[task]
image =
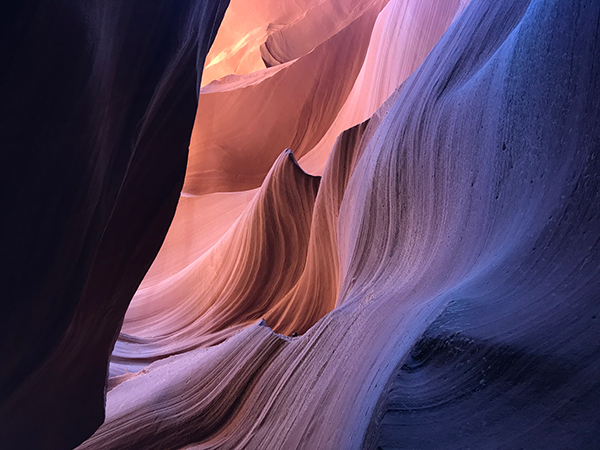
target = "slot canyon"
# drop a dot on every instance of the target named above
(300, 225)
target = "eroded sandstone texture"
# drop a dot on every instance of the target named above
(388, 235)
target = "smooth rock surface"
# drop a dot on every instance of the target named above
(436, 287)
(463, 223)
(97, 103)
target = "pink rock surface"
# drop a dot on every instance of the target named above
(234, 284)
(405, 31)
(454, 240)
(435, 288)
(403, 35)
(290, 105)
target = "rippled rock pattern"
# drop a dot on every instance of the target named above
(388, 235)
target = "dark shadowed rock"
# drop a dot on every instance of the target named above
(97, 102)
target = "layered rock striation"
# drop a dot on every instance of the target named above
(435, 287)
(454, 238)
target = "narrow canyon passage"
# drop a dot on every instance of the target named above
(301, 224)
(277, 259)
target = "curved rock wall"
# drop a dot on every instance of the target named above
(94, 163)
(466, 245)
(435, 288)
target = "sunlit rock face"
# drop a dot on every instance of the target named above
(442, 274)
(388, 235)
(94, 160)
(311, 100)
(291, 104)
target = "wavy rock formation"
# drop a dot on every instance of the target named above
(199, 222)
(94, 163)
(317, 289)
(403, 35)
(464, 226)
(234, 284)
(329, 41)
(263, 33)
(404, 32)
(442, 274)
(310, 90)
